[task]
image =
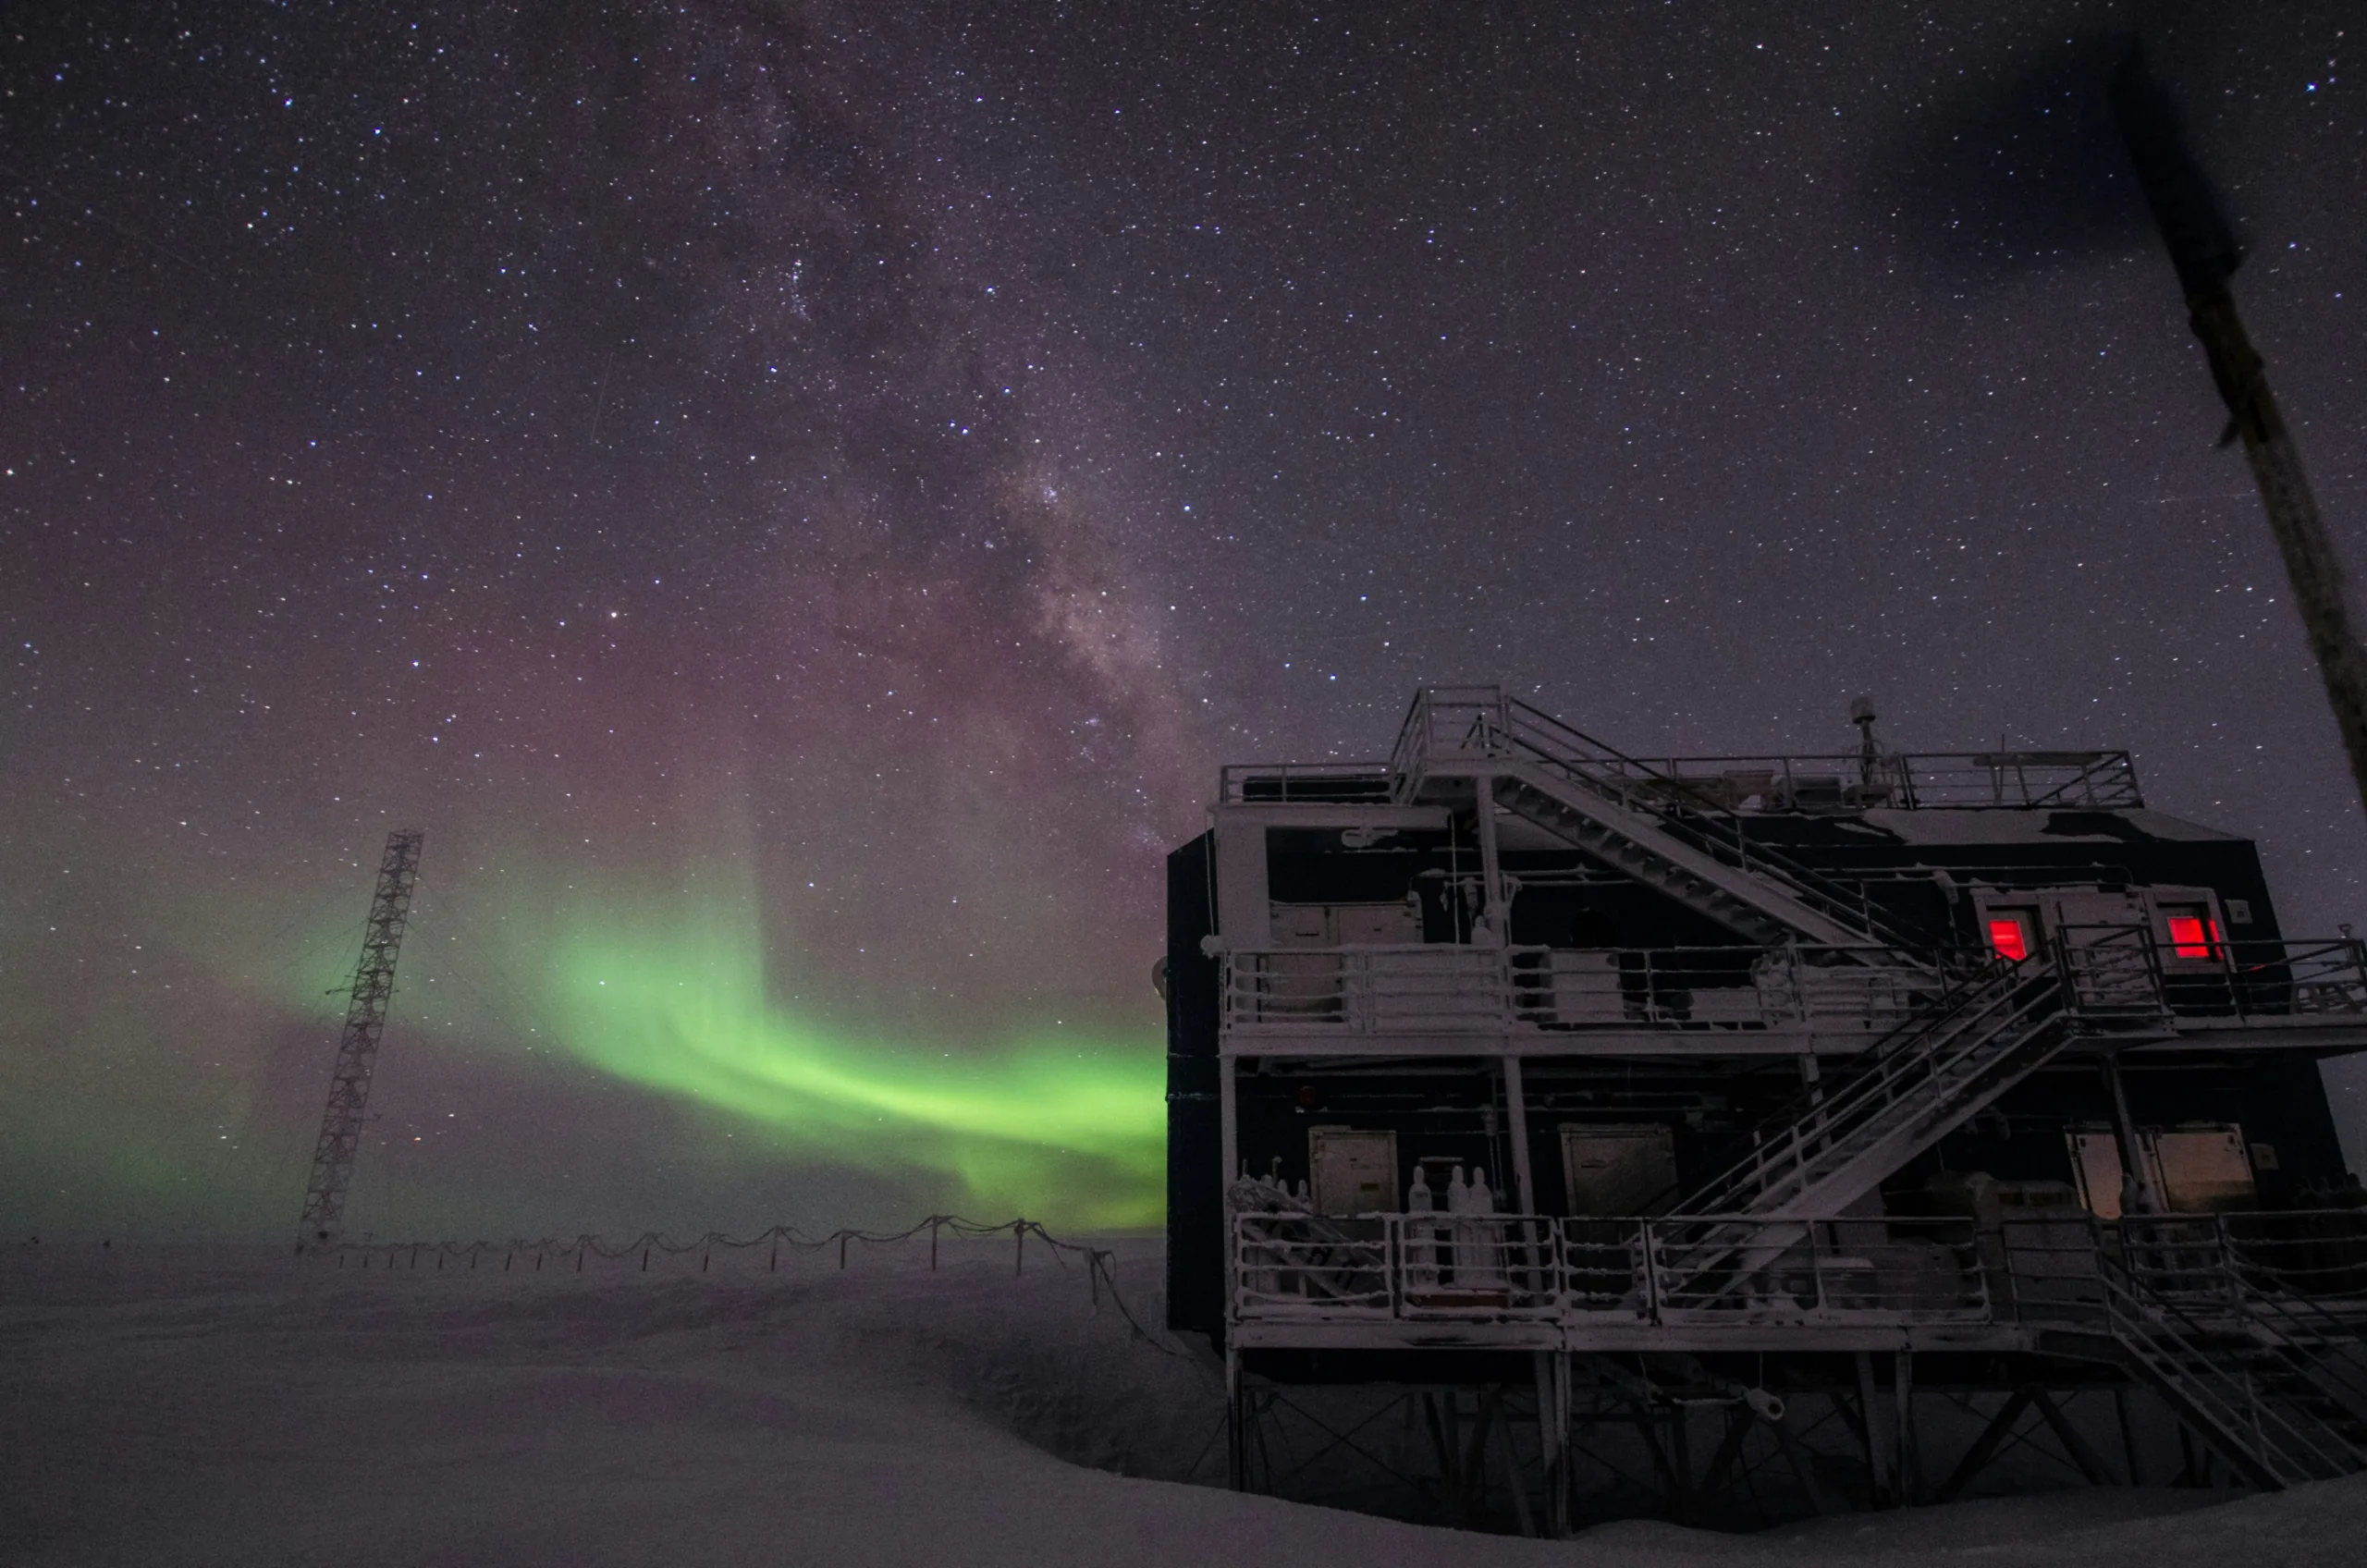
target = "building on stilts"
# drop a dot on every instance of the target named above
(1742, 1137)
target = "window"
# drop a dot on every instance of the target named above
(2193, 934)
(2010, 933)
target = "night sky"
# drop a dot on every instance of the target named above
(797, 501)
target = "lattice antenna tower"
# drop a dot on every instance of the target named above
(357, 1048)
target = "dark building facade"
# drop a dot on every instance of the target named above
(1516, 1062)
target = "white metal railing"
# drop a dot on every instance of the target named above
(1394, 1266)
(1469, 721)
(2121, 973)
(2252, 1320)
(2107, 971)
(1463, 728)
(1450, 988)
(1499, 1268)
(1908, 1075)
(1290, 783)
(2301, 1271)
(2026, 780)
(1898, 1271)
(1438, 988)
(2298, 978)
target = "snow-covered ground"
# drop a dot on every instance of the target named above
(194, 1406)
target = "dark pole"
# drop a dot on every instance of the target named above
(2204, 247)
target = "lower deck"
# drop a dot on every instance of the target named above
(1749, 1285)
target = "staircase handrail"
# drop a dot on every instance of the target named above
(2294, 1319)
(2139, 1317)
(1823, 1116)
(1688, 815)
(1496, 724)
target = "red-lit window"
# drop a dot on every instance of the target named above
(2193, 934)
(2010, 936)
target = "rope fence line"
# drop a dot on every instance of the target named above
(1099, 1263)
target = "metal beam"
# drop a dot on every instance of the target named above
(1491, 868)
(1517, 1113)
(1877, 1449)
(1984, 1447)
(2091, 1464)
(1910, 1456)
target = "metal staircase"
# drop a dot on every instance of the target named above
(1757, 906)
(1835, 1145)
(2271, 1383)
(1919, 1084)
(1990, 1030)
(1658, 829)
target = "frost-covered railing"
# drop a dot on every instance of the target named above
(1394, 1265)
(1302, 783)
(1449, 988)
(2252, 1320)
(1445, 988)
(2310, 1264)
(2132, 969)
(2283, 979)
(1462, 724)
(2026, 780)
(2296, 1275)
(1434, 988)
(1894, 1271)
(1386, 1268)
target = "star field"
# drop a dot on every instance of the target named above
(826, 485)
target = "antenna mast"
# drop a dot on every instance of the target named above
(357, 1049)
(2206, 253)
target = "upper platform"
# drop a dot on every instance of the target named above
(1456, 732)
(1506, 882)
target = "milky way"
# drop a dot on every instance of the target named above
(796, 501)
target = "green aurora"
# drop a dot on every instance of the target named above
(1048, 1129)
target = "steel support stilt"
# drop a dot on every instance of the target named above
(1911, 1457)
(1236, 1447)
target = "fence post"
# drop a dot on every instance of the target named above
(1101, 1264)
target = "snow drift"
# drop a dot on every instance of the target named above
(195, 1406)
